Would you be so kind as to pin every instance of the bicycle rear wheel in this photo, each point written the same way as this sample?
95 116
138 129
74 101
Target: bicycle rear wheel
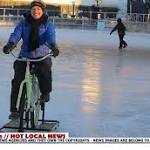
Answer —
35 114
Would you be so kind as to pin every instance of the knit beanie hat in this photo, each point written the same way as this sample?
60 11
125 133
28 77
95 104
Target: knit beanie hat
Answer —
39 3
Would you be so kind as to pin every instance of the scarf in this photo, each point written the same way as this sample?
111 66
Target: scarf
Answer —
34 34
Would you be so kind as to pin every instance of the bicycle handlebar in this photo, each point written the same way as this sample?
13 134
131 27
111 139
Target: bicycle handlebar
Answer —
32 60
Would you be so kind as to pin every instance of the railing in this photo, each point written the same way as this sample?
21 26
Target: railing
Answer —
136 17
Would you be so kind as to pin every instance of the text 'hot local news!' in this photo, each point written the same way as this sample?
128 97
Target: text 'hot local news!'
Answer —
60 137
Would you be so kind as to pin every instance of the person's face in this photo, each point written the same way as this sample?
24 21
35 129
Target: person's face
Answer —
36 12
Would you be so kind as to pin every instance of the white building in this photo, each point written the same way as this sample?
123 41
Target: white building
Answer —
121 4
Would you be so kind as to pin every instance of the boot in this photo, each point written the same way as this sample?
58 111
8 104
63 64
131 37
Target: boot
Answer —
13 115
44 98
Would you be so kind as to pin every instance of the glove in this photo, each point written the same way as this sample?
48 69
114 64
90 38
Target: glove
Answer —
55 51
8 47
110 33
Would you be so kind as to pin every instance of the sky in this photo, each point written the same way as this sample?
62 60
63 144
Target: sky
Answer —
84 2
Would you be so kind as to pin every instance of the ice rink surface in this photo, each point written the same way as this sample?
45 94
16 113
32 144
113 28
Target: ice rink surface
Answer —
97 90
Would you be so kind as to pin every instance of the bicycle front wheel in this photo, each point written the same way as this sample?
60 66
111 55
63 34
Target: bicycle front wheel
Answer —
35 113
22 109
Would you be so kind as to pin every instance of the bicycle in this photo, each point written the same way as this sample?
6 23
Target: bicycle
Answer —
28 101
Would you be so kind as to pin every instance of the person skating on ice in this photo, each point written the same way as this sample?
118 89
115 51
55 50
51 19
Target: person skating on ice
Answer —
121 33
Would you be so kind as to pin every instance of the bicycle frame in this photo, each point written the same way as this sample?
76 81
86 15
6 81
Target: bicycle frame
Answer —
29 78
28 96
31 83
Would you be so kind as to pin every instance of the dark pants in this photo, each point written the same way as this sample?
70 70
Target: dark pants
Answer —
122 42
43 73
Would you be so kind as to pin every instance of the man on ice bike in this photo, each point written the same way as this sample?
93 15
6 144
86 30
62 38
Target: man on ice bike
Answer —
36 33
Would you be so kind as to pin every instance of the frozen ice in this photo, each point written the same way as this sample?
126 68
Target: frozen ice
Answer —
97 90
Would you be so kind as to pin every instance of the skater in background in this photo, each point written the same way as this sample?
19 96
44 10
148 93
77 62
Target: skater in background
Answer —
121 33
37 32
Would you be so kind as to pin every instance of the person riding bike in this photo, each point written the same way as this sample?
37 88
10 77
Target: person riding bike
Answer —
38 35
